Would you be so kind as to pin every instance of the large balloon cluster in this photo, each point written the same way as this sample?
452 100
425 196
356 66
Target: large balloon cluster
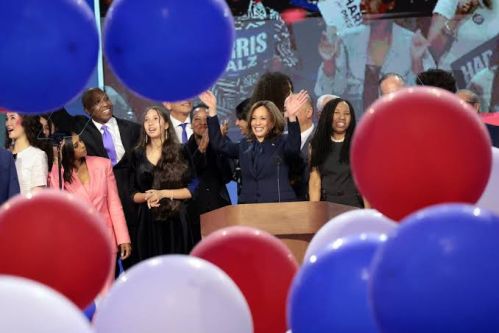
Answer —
164 50
424 160
423 259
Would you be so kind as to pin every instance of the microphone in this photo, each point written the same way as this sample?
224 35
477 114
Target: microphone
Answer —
278 160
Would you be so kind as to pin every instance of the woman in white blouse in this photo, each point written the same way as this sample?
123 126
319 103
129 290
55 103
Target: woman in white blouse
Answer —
31 161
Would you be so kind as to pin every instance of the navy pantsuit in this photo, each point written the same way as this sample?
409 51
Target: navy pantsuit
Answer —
264 166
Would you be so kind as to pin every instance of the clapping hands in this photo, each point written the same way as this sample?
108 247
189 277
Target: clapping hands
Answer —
211 101
203 143
294 102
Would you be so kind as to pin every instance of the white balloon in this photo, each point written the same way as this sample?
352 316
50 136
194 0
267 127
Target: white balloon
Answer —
27 306
174 294
354 222
490 196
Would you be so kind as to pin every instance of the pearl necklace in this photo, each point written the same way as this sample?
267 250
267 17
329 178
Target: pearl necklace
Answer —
335 140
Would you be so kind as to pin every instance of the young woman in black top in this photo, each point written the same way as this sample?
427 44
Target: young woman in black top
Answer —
330 174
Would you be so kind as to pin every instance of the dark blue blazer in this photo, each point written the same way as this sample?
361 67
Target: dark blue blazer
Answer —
494 134
267 178
213 171
9 185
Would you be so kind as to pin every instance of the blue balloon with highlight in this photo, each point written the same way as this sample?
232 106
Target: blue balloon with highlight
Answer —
48 51
169 50
329 294
439 273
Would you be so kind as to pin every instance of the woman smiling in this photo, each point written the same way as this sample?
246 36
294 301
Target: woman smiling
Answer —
266 155
31 160
330 176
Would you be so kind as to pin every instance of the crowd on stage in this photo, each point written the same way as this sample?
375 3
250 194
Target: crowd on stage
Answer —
151 181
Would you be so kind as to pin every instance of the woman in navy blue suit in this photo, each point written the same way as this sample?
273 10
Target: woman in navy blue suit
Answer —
266 154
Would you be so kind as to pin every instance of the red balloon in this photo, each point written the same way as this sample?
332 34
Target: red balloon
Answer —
52 238
419 147
261 266
490 118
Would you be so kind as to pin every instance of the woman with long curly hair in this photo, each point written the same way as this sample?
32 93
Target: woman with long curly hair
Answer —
30 153
163 180
330 174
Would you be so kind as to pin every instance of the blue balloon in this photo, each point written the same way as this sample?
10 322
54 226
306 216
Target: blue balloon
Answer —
329 294
48 50
169 50
439 273
89 312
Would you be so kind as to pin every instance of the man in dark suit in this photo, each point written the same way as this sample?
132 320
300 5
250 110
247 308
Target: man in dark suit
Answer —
213 169
110 137
9 185
306 120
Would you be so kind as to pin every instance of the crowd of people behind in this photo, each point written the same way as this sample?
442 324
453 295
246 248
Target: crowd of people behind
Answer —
151 182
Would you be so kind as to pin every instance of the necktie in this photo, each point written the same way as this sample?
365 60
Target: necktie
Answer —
107 140
184 132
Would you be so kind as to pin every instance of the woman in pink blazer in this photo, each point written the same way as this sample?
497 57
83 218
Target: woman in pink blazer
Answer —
91 179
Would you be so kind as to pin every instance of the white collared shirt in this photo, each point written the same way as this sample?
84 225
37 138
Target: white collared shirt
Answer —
178 129
112 125
305 134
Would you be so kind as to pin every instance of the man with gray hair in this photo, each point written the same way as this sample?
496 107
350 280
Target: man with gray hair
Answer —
322 100
389 83
469 97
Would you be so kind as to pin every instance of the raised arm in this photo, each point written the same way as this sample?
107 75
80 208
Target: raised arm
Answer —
332 73
448 16
292 105
217 140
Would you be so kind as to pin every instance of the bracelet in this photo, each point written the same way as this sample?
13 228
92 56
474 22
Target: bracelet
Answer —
449 31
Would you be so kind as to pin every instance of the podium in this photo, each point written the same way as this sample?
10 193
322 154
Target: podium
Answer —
295 223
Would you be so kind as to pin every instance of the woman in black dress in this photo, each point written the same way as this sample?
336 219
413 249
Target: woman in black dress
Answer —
330 174
162 181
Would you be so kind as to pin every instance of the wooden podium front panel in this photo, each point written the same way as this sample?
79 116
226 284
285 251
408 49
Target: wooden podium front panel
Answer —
295 223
